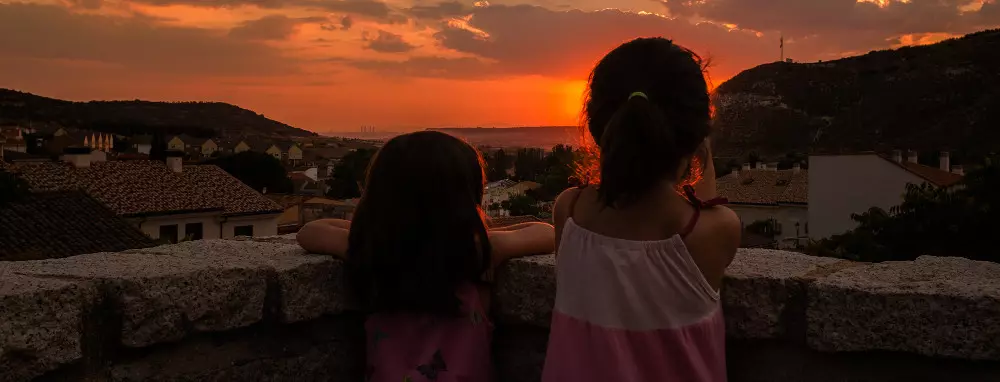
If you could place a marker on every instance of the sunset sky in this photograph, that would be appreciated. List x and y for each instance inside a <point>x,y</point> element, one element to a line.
<point>328,65</point>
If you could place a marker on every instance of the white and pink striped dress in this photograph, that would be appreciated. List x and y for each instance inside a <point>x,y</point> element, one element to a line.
<point>633,311</point>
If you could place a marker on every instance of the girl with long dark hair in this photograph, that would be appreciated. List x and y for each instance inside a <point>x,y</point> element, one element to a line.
<point>420,259</point>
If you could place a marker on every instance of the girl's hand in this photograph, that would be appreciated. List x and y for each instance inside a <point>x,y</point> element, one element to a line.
<point>325,236</point>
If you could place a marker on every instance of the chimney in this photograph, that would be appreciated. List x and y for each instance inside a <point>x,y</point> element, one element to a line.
<point>746,166</point>
<point>773,166</point>
<point>736,171</point>
<point>175,160</point>
<point>796,168</point>
<point>78,156</point>
<point>911,157</point>
<point>897,156</point>
<point>944,161</point>
<point>958,170</point>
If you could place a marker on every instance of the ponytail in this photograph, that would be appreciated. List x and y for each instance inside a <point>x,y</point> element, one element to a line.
<point>638,150</point>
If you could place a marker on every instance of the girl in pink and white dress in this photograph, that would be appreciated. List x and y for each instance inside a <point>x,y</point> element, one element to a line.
<point>640,257</point>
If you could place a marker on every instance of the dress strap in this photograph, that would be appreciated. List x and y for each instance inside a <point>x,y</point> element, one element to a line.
<point>698,205</point>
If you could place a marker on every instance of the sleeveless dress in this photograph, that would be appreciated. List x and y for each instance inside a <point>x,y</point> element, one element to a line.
<point>633,311</point>
<point>427,347</point>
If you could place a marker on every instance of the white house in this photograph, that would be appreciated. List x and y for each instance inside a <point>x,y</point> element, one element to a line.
<point>841,185</point>
<point>142,144</point>
<point>765,193</point>
<point>167,201</point>
<point>503,191</point>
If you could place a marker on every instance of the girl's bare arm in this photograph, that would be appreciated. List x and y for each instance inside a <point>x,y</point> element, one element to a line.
<point>514,227</point>
<point>529,239</point>
<point>326,237</point>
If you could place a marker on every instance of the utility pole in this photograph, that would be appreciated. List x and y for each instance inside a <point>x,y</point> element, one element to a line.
<point>781,45</point>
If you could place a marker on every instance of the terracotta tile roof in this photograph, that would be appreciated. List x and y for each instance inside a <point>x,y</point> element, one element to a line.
<point>220,187</point>
<point>60,224</point>
<point>507,221</point>
<point>932,175</point>
<point>765,187</point>
<point>135,188</point>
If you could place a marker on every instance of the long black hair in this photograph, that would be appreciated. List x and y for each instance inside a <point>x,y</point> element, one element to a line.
<point>648,109</point>
<point>419,231</point>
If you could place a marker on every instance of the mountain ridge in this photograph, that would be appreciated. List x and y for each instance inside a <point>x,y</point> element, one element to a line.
<point>129,117</point>
<point>930,97</point>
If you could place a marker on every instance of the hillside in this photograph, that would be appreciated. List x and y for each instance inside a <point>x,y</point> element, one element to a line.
<point>933,97</point>
<point>141,117</point>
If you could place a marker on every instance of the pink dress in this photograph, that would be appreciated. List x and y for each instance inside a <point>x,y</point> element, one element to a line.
<point>633,311</point>
<point>425,347</point>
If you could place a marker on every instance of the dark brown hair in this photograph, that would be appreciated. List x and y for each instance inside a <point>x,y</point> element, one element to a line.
<point>418,231</point>
<point>644,138</point>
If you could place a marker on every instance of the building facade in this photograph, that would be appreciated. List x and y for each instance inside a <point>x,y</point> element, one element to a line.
<point>842,185</point>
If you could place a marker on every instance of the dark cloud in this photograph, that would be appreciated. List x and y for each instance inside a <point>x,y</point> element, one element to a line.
<point>274,27</point>
<point>346,23</point>
<point>439,11</point>
<point>53,33</point>
<point>386,42</point>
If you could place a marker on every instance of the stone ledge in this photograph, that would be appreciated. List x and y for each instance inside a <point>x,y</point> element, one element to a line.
<point>938,307</point>
<point>935,306</point>
<point>40,323</point>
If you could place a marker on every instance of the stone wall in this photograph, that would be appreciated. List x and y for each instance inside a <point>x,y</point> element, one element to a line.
<point>225,310</point>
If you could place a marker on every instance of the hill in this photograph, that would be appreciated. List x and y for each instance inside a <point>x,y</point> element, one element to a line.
<point>205,119</point>
<point>927,98</point>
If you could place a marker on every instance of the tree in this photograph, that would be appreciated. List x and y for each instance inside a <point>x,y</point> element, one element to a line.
<point>349,174</point>
<point>257,170</point>
<point>956,221</point>
<point>497,165</point>
<point>522,205</point>
<point>12,187</point>
<point>529,164</point>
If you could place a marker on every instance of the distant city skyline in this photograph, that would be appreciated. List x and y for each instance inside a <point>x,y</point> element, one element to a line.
<point>407,65</point>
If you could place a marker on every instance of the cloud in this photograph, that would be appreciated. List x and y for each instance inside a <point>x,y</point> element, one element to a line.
<point>86,4</point>
<point>373,9</point>
<point>439,11</point>
<point>346,23</point>
<point>387,42</point>
<point>526,40</point>
<point>273,27</point>
<point>130,44</point>
<point>846,17</point>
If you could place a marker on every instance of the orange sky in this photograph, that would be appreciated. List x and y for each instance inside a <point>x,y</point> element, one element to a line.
<point>329,65</point>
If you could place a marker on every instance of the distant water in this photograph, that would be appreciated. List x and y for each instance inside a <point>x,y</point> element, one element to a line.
<point>542,137</point>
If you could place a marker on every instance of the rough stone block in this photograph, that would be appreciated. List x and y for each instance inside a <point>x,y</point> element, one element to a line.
<point>162,297</point>
<point>306,285</point>
<point>526,290</point>
<point>764,291</point>
<point>40,323</point>
<point>935,306</point>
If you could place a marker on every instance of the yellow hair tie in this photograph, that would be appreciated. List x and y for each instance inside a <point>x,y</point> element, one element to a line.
<point>638,94</point>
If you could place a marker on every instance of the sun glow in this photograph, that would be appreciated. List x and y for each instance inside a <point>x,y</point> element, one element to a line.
<point>574,91</point>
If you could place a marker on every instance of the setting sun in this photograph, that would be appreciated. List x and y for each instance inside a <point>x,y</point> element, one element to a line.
<point>574,91</point>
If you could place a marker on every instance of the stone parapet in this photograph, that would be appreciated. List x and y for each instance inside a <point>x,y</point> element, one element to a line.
<point>264,309</point>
